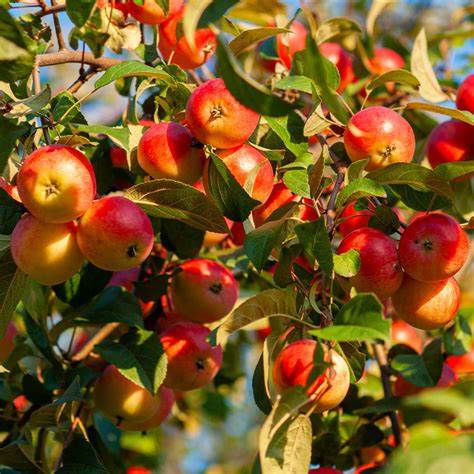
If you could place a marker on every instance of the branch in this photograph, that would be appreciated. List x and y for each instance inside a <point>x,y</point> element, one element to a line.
<point>67,56</point>
<point>37,90</point>
<point>49,10</point>
<point>57,28</point>
<point>82,79</point>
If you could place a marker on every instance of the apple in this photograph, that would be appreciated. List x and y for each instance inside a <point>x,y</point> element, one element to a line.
<point>355,215</point>
<point>21,404</point>
<point>192,361</point>
<point>122,400</point>
<point>433,247</point>
<point>427,305</point>
<point>116,4</point>
<point>175,47</point>
<point>288,44</point>
<point>115,234</point>
<point>166,150</point>
<point>384,60</point>
<point>372,454</point>
<point>462,364</point>
<point>56,183</point>
<point>342,60</point>
<point>294,365</point>
<point>280,196</point>
<point>47,252</point>
<point>10,189</point>
<point>138,470</point>
<point>7,342</point>
<point>380,134</point>
<point>215,117</point>
<point>465,95</point>
<point>380,270</point>
<point>450,141</point>
<point>164,401</point>
<point>403,333</point>
<point>151,13</point>
<point>203,290</point>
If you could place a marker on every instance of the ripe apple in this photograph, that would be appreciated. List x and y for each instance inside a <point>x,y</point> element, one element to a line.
<point>384,60</point>
<point>293,367</point>
<point>56,183</point>
<point>150,12</point>
<point>203,291</point>
<point>118,157</point>
<point>250,168</point>
<point>433,247</point>
<point>342,60</point>
<point>192,361</point>
<point>7,343</point>
<point>138,470</point>
<point>372,454</point>
<point>215,117</point>
<point>122,400</point>
<point>380,270</point>
<point>115,234</point>
<point>462,364</point>
<point>49,253</point>
<point>164,401</point>
<point>427,305</point>
<point>449,142</point>
<point>166,150</point>
<point>288,44</point>
<point>280,196</point>
<point>355,215</point>
<point>465,95</point>
<point>380,134</point>
<point>21,404</point>
<point>175,47</point>
<point>10,189</point>
<point>403,333</point>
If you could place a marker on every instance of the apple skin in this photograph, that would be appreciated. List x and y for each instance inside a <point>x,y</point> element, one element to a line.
<point>192,361</point>
<point>7,343</point>
<point>403,333</point>
<point>166,151</point>
<point>384,60</point>
<point>427,305</point>
<point>56,183</point>
<point>203,291</point>
<point>342,60</point>
<point>465,95</point>
<point>462,364</point>
<point>48,253</point>
<point>246,163</point>
<point>122,400</point>
<point>176,49</point>
<point>380,270</point>
<point>353,219</point>
<point>433,247</point>
<point>290,43</point>
<point>164,401</point>
<point>293,367</point>
<point>10,189</point>
<point>150,13</point>
<point>380,134</point>
<point>215,117</point>
<point>115,234</point>
<point>403,388</point>
<point>280,196</point>
<point>138,470</point>
<point>449,142</point>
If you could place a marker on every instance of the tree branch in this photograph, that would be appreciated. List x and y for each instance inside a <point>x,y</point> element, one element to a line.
<point>37,90</point>
<point>49,10</point>
<point>68,56</point>
<point>57,27</point>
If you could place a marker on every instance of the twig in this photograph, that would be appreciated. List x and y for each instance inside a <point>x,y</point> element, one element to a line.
<point>49,10</point>
<point>37,90</point>
<point>57,27</point>
<point>381,359</point>
<point>97,338</point>
<point>82,79</point>
<point>68,56</point>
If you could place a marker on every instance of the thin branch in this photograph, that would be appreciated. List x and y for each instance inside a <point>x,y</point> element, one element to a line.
<point>82,79</point>
<point>97,338</point>
<point>37,90</point>
<point>49,10</point>
<point>68,56</point>
<point>57,27</point>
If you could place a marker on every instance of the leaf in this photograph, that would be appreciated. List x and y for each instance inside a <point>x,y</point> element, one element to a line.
<point>4,244</point>
<point>316,122</point>
<point>258,388</point>
<point>385,220</point>
<point>132,69</point>
<point>336,28</point>
<point>290,131</point>
<point>412,368</point>
<point>245,89</point>
<point>415,175</point>
<point>80,457</point>
<point>401,76</point>
<point>462,115</point>
<point>79,11</point>
<point>119,135</point>
<point>18,455</point>
<point>267,304</point>
<point>421,67</point>
<point>229,196</point>
<point>450,171</point>
<point>215,11</point>
<point>314,238</point>
<point>138,356</point>
<point>419,200</point>
<point>355,357</point>
<point>168,199</point>
<point>347,264</point>
<point>360,319</point>
<point>11,131</point>
<point>297,182</point>
<point>433,359</point>
<point>253,35</point>
<point>316,173</point>
<point>299,83</point>
<point>12,283</point>
<point>31,104</point>
<point>376,8</point>
<point>359,187</point>
<point>192,14</point>
<point>355,169</point>
<point>183,240</point>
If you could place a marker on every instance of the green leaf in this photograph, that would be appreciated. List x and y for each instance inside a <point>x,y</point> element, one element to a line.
<point>229,196</point>
<point>385,220</point>
<point>4,244</point>
<point>290,131</point>
<point>412,368</point>
<point>267,304</point>
<point>183,240</point>
<point>401,76</point>
<point>299,83</point>
<point>422,69</point>
<point>450,171</point>
<point>12,283</point>
<point>355,358</point>
<point>462,115</point>
<point>347,264</point>
<point>132,69</point>
<point>119,135</point>
<point>251,36</point>
<point>360,319</point>
<point>376,8</point>
<point>245,89</point>
<point>419,200</point>
<point>19,455</point>
<point>433,359</point>
<point>138,356</point>
<point>258,388</point>
<point>314,238</point>
<point>316,122</point>
<point>114,304</point>
<point>80,457</point>
<point>11,131</point>
<point>336,28</point>
<point>297,181</point>
<point>358,188</point>
<point>192,14</point>
<point>415,175</point>
<point>61,104</point>
<point>215,11</point>
<point>168,199</point>
<point>79,11</point>
<point>31,104</point>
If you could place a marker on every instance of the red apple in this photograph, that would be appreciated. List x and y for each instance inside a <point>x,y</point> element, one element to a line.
<point>116,4</point>
<point>403,333</point>
<point>150,11</point>
<point>342,60</point>
<point>465,95</point>
<point>7,342</point>
<point>462,364</point>
<point>355,215</point>
<point>289,43</point>
<point>384,60</point>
